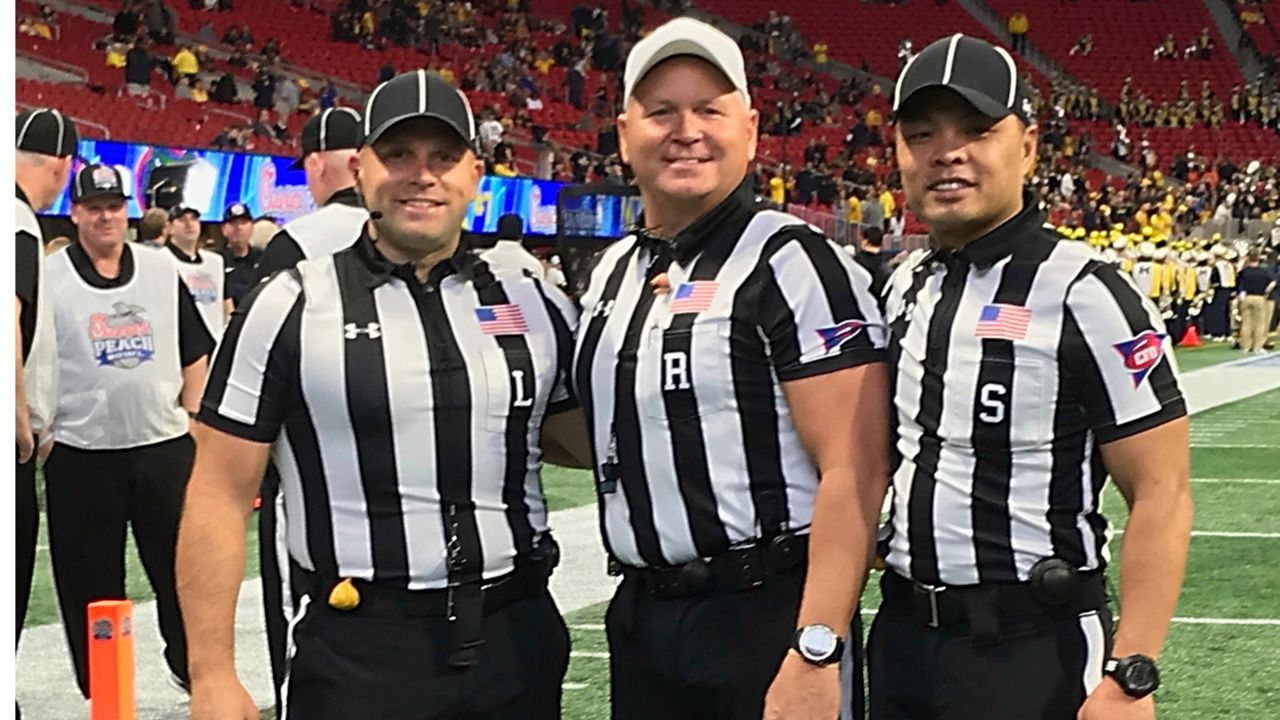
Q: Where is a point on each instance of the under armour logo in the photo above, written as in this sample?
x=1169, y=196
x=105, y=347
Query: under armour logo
x=351, y=331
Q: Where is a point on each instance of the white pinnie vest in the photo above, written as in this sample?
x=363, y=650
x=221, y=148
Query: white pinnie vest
x=119, y=363
x=40, y=373
x=205, y=279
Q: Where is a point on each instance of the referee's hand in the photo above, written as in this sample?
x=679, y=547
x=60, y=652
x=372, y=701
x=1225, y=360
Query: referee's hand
x=222, y=699
x=1109, y=702
x=802, y=691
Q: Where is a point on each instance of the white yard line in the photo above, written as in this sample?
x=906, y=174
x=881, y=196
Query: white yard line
x=1236, y=481
x=1226, y=621
x=589, y=654
x=1216, y=534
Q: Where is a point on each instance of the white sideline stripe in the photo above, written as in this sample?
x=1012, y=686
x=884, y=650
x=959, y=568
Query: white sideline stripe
x=589, y=654
x=1212, y=534
x=1227, y=621
x=1246, y=446
x=588, y=627
x=574, y=686
x=1240, y=481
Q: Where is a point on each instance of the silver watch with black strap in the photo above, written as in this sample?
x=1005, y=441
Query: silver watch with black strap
x=818, y=645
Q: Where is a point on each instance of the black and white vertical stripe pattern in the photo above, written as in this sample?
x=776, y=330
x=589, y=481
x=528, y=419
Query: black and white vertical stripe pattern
x=397, y=421
x=689, y=406
x=997, y=461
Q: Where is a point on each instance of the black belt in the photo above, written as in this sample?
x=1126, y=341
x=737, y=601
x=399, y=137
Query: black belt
x=463, y=605
x=736, y=570
x=985, y=608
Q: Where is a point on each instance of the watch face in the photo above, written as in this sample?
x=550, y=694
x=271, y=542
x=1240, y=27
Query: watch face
x=1141, y=677
x=818, y=642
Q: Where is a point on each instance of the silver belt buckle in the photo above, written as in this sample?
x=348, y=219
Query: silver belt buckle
x=932, y=591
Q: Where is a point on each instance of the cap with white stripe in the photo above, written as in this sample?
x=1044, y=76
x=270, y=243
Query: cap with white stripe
x=418, y=94
x=983, y=74
x=46, y=132
x=335, y=128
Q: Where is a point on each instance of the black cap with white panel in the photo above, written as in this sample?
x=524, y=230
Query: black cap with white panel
x=46, y=132
x=337, y=128
x=414, y=95
x=97, y=180
x=983, y=74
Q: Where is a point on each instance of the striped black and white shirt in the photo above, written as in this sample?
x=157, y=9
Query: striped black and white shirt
x=695, y=449
x=334, y=226
x=1014, y=360
x=405, y=415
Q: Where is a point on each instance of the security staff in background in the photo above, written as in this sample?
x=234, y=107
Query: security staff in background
x=132, y=355
x=729, y=361
x=329, y=142
x=1026, y=370
x=407, y=390
x=509, y=251
x=201, y=269
x=45, y=150
x=239, y=258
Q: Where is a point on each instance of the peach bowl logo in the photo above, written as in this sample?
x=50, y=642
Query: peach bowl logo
x=122, y=338
x=203, y=289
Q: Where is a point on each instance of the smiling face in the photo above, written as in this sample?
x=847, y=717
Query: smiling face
x=101, y=222
x=421, y=176
x=688, y=135
x=962, y=172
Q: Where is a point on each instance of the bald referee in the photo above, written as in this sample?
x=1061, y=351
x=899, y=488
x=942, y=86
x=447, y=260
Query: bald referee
x=1027, y=371
x=45, y=148
x=730, y=364
x=410, y=393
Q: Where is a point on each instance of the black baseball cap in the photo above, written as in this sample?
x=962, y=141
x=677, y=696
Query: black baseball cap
x=983, y=74
x=413, y=95
x=181, y=209
x=237, y=211
x=97, y=180
x=46, y=132
x=337, y=128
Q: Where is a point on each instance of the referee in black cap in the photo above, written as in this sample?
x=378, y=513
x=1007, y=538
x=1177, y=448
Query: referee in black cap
x=410, y=394
x=1026, y=371
x=329, y=143
x=45, y=148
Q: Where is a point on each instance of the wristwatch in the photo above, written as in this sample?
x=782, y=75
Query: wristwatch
x=1136, y=674
x=818, y=645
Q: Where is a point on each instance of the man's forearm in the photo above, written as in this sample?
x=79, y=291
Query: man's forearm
x=841, y=539
x=210, y=568
x=193, y=385
x=1152, y=563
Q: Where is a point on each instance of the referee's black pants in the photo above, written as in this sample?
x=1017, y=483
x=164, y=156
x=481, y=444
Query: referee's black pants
x=710, y=656
x=27, y=520
x=1039, y=669
x=394, y=664
x=92, y=497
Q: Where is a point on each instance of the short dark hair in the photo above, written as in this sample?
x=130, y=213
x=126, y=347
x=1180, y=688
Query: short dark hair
x=873, y=236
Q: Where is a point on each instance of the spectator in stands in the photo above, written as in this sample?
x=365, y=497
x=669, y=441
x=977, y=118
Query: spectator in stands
x=897, y=227
x=1083, y=46
x=1167, y=49
x=328, y=96
x=199, y=93
x=117, y=54
x=1018, y=26
x=225, y=90
x=184, y=63
x=124, y=27
x=263, y=128
x=607, y=138
x=264, y=89
x=161, y=23
x=504, y=162
x=137, y=70
x=1203, y=45
x=385, y=73
x=288, y=98
x=182, y=90
x=873, y=211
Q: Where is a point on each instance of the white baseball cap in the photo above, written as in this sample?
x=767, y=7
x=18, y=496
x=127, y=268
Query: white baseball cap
x=686, y=36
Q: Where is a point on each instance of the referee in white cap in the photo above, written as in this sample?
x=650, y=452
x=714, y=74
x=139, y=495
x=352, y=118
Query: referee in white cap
x=46, y=146
x=1026, y=371
x=730, y=363
x=407, y=393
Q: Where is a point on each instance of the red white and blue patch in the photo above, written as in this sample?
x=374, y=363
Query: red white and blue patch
x=835, y=336
x=1141, y=354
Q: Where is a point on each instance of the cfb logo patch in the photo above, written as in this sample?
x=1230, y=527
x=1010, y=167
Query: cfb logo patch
x=834, y=336
x=1141, y=354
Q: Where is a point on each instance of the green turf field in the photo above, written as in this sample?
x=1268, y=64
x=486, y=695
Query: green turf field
x=1208, y=354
